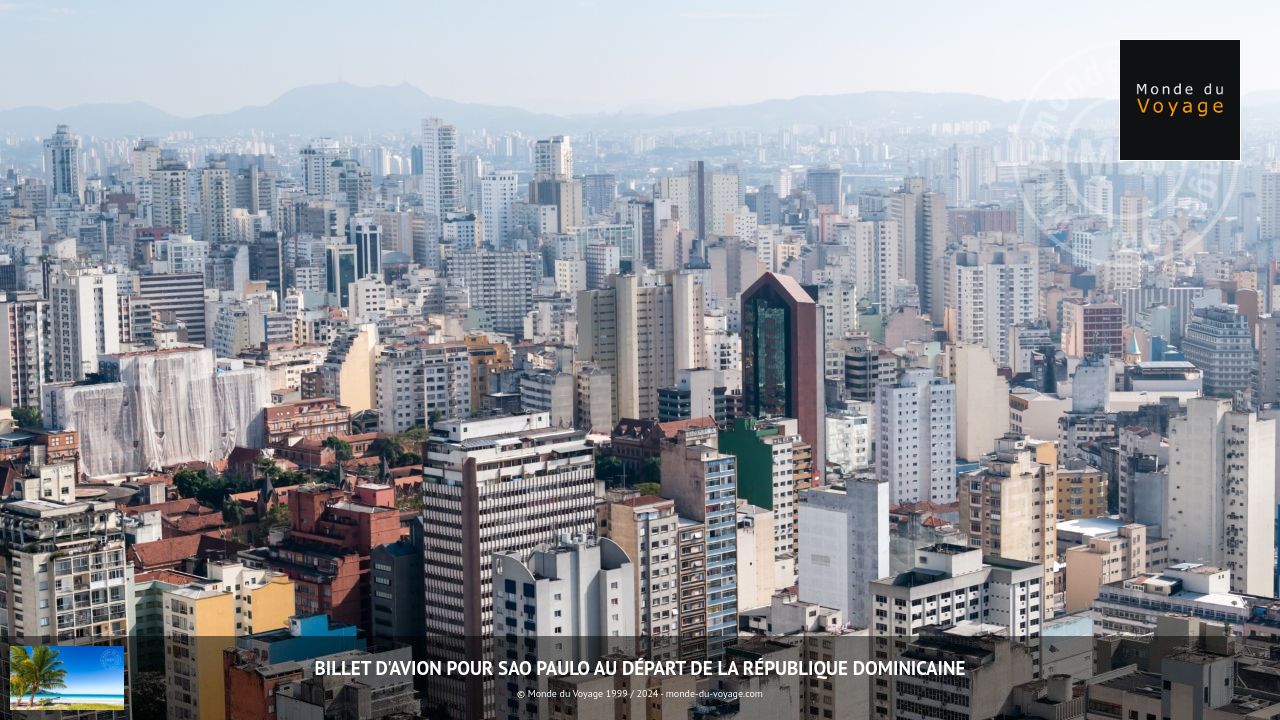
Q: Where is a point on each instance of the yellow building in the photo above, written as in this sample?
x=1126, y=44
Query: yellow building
x=1127, y=552
x=1082, y=493
x=489, y=359
x=202, y=618
x=1008, y=505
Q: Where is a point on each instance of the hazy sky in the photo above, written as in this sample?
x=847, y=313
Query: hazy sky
x=576, y=56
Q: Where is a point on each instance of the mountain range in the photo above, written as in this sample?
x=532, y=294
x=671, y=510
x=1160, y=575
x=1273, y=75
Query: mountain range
x=345, y=109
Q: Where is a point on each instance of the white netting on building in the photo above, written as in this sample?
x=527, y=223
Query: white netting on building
x=169, y=407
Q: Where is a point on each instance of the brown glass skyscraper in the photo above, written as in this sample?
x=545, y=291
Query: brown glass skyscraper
x=782, y=358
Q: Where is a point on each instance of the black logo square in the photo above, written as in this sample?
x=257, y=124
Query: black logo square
x=1179, y=99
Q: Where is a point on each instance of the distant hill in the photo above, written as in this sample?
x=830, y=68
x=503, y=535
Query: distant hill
x=330, y=109
x=342, y=109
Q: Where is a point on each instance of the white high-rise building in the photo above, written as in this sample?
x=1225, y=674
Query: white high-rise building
x=499, y=192
x=1220, y=507
x=170, y=203
x=23, y=349
x=48, y=537
x=317, y=159
x=553, y=158
x=1099, y=198
x=577, y=593
x=844, y=545
x=849, y=441
x=417, y=384
x=602, y=261
x=501, y=284
x=439, y=173
x=505, y=483
x=641, y=330
x=216, y=198
x=993, y=287
x=84, y=321
x=1269, y=207
x=916, y=452
x=62, y=159
x=950, y=585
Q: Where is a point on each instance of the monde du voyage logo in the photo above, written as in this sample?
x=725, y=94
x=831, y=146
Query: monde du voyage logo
x=1179, y=99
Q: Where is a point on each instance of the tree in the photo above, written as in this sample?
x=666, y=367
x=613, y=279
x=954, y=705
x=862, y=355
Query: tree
x=609, y=469
x=28, y=417
x=277, y=516
x=651, y=471
x=147, y=694
x=648, y=488
x=37, y=671
x=233, y=512
x=19, y=671
x=389, y=450
x=341, y=448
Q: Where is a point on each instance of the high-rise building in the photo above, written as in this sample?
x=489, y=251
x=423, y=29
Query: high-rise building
x=1082, y=491
x=62, y=162
x=1266, y=389
x=1008, y=506
x=782, y=357
x=1269, y=207
x=177, y=298
x=948, y=585
x=562, y=197
x=602, y=261
x=993, y=287
x=921, y=219
x=702, y=482
x=500, y=484
x=84, y=321
x=824, y=184
x=1221, y=506
x=599, y=191
x=217, y=197
x=499, y=283
x=440, y=192
x=166, y=407
x=366, y=236
x=499, y=193
x=849, y=441
x=772, y=463
x=1130, y=551
x=1218, y=340
x=202, y=616
x=63, y=564
x=1099, y=198
x=317, y=160
x=24, y=341
x=417, y=384
x=340, y=273
x=916, y=448
x=267, y=263
x=642, y=330
x=553, y=158
x=704, y=202
x=1092, y=328
x=844, y=545
x=646, y=527
x=1135, y=220
x=580, y=591
x=170, y=204
x=982, y=406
